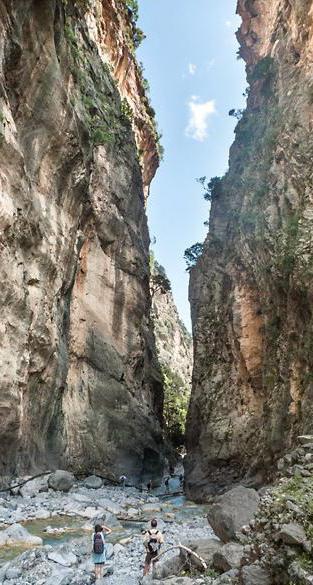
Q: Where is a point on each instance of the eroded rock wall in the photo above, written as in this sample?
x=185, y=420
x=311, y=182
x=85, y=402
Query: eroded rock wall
x=80, y=384
x=173, y=340
x=251, y=290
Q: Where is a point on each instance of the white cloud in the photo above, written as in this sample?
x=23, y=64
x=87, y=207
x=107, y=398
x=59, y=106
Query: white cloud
x=192, y=68
x=228, y=23
x=197, y=127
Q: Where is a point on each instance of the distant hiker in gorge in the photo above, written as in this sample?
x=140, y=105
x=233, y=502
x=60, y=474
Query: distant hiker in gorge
x=153, y=541
x=123, y=480
x=149, y=485
x=167, y=484
x=98, y=549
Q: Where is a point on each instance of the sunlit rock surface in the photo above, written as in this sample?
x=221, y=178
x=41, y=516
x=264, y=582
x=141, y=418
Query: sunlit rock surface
x=251, y=291
x=80, y=385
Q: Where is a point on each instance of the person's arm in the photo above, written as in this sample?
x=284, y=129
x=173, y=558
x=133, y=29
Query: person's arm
x=146, y=539
x=160, y=538
x=107, y=529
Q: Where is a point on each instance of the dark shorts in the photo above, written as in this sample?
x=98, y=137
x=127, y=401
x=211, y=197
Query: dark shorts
x=149, y=557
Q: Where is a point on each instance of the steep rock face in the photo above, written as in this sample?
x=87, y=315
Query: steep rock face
x=173, y=341
x=251, y=290
x=80, y=384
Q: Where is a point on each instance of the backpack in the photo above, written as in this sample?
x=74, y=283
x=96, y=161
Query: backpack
x=153, y=543
x=98, y=544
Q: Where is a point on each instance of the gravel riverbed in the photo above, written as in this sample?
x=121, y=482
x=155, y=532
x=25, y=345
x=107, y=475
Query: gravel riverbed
x=62, y=524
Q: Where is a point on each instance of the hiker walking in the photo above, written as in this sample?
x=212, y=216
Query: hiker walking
x=167, y=484
x=149, y=485
x=153, y=540
x=98, y=548
x=123, y=480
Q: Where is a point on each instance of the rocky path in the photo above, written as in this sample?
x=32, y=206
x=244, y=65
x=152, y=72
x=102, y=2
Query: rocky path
x=46, y=534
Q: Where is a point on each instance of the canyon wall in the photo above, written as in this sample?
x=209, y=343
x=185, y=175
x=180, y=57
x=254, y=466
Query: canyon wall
x=173, y=340
x=80, y=382
x=175, y=355
x=251, y=290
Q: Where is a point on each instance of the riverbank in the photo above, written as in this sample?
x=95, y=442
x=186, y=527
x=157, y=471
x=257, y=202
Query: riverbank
x=64, y=522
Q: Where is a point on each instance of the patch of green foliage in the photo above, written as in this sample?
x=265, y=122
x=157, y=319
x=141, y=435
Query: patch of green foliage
x=132, y=5
x=176, y=400
x=102, y=136
x=286, y=249
x=159, y=281
x=127, y=111
x=262, y=69
x=236, y=113
x=306, y=562
x=212, y=188
x=193, y=254
x=265, y=71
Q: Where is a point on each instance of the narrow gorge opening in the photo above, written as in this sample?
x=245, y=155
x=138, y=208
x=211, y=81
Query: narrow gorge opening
x=97, y=363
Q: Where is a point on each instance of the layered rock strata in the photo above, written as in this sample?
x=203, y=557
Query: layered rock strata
x=251, y=290
x=80, y=384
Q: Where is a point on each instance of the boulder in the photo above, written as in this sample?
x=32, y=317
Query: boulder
x=89, y=512
x=64, y=558
x=227, y=578
x=93, y=482
x=292, y=533
x=119, y=549
x=228, y=557
x=233, y=510
x=255, y=575
x=17, y=534
x=33, y=487
x=109, y=550
x=60, y=577
x=205, y=548
x=110, y=506
x=13, y=573
x=61, y=481
x=149, y=508
x=168, y=565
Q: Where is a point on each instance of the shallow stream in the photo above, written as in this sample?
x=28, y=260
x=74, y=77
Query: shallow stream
x=74, y=527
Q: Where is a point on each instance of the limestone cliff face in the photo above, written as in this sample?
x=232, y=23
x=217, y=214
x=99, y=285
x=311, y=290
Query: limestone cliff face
x=80, y=385
x=251, y=290
x=173, y=340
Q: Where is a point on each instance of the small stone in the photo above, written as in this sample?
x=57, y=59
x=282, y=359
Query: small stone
x=228, y=557
x=305, y=439
x=13, y=573
x=292, y=534
x=255, y=575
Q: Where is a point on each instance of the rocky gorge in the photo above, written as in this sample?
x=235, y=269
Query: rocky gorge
x=80, y=382
x=251, y=288
x=96, y=364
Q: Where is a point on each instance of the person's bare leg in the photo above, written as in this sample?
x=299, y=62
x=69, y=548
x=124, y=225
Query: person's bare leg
x=146, y=569
x=97, y=571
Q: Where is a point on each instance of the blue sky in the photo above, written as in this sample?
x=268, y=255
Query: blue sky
x=189, y=57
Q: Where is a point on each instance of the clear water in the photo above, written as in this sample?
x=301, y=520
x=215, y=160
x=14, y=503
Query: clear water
x=183, y=509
